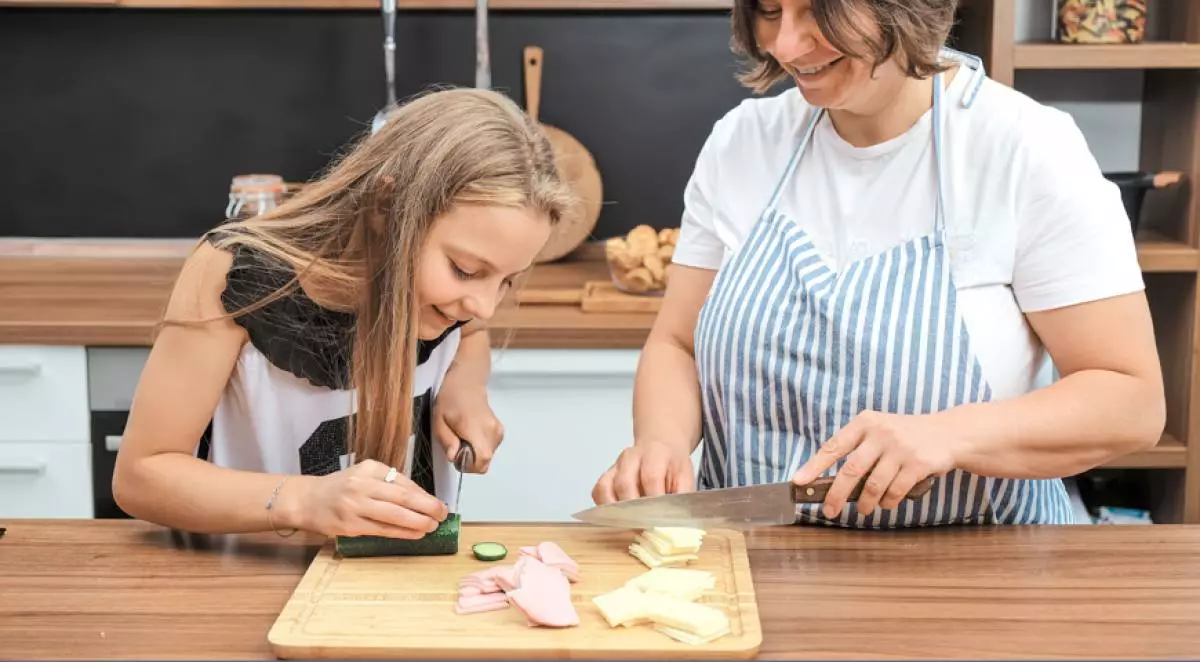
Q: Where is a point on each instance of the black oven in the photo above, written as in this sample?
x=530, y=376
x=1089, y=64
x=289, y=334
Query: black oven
x=113, y=373
x=107, y=428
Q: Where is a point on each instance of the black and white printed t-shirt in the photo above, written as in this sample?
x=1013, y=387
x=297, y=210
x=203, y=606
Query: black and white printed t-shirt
x=288, y=401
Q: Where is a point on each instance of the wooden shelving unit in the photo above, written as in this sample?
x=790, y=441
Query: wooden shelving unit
x=1169, y=244
x=1170, y=453
x=1160, y=55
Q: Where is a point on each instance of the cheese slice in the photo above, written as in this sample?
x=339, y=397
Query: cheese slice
x=681, y=583
x=680, y=538
x=660, y=545
x=699, y=620
x=669, y=541
x=624, y=606
x=651, y=559
x=665, y=599
x=689, y=638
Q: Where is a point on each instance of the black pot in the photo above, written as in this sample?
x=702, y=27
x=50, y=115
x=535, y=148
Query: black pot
x=1133, y=187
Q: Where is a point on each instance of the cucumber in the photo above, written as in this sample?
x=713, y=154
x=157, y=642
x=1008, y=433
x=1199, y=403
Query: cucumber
x=489, y=551
x=441, y=541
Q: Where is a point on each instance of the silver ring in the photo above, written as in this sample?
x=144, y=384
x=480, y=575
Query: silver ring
x=391, y=475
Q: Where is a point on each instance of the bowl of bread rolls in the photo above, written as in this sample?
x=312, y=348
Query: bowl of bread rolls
x=640, y=262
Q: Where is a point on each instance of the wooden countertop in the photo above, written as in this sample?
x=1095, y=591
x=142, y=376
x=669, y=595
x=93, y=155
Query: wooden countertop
x=111, y=292
x=122, y=589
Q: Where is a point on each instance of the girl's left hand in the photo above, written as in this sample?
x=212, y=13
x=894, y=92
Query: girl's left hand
x=462, y=412
x=892, y=452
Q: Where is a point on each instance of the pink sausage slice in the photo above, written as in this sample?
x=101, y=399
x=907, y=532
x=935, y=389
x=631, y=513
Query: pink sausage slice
x=472, y=601
x=553, y=555
x=544, y=595
x=480, y=608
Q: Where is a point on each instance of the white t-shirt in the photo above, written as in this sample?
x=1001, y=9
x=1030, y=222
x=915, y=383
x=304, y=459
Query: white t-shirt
x=1031, y=222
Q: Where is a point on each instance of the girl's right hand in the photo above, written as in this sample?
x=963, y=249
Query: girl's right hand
x=646, y=469
x=357, y=502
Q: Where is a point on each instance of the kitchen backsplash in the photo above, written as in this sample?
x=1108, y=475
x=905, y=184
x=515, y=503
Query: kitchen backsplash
x=131, y=123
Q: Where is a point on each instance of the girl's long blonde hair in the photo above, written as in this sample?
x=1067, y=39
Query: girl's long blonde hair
x=360, y=228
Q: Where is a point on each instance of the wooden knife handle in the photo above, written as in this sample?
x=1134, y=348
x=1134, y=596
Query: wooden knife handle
x=1167, y=178
x=815, y=491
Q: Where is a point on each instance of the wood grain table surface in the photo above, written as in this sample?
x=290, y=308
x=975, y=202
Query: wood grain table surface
x=104, y=589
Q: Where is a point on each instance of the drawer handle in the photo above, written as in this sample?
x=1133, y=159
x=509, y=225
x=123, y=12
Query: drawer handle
x=31, y=469
x=21, y=369
x=112, y=442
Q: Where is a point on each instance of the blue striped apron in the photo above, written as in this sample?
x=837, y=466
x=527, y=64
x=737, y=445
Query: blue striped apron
x=788, y=351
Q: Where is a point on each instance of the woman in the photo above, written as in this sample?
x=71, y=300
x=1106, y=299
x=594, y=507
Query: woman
x=312, y=340
x=870, y=270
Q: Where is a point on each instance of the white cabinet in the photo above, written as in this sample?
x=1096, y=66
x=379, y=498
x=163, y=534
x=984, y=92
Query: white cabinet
x=43, y=394
x=45, y=449
x=45, y=480
x=567, y=414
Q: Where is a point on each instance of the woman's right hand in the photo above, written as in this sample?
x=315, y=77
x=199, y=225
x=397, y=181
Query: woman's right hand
x=357, y=502
x=646, y=469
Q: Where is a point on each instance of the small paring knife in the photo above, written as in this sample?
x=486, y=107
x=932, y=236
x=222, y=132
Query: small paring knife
x=773, y=504
x=463, y=459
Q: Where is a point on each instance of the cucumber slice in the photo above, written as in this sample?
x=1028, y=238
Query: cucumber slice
x=489, y=551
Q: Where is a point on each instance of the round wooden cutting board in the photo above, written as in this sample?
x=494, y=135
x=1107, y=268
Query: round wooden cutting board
x=575, y=165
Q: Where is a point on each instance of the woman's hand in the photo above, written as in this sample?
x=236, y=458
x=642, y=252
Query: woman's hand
x=891, y=452
x=357, y=502
x=646, y=469
x=462, y=412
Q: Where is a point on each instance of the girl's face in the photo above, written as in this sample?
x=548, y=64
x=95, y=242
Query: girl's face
x=471, y=258
x=788, y=31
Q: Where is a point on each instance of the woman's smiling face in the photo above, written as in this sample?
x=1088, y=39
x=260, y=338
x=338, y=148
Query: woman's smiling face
x=788, y=31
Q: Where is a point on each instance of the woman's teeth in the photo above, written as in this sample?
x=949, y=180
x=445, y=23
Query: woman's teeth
x=812, y=70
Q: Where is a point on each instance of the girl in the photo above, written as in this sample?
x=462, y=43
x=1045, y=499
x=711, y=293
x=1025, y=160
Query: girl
x=310, y=355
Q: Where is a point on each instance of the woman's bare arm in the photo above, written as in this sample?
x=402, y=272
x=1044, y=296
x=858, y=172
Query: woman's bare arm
x=1109, y=401
x=666, y=396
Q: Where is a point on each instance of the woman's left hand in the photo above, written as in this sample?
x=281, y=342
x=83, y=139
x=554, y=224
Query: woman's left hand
x=891, y=452
x=462, y=412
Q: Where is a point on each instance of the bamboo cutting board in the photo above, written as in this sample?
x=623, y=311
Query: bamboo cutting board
x=603, y=297
x=404, y=606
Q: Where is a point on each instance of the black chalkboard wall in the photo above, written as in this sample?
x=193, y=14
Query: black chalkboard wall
x=126, y=123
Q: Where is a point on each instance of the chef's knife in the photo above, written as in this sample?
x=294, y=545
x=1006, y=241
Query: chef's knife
x=772, y=504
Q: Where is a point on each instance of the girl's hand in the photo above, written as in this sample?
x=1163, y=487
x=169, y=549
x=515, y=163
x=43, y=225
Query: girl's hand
x=357, y=502
x=646, y=469
x=892, y=452
x=462, y=412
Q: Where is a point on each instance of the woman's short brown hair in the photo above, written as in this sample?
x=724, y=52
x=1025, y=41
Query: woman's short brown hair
x=914, y=29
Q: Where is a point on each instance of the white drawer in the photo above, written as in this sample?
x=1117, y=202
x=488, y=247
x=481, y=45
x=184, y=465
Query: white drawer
x=43, y=394
x=40, y=480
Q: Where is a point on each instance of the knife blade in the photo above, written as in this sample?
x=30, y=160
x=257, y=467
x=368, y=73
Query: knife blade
x=772, y=504
x=463, y=459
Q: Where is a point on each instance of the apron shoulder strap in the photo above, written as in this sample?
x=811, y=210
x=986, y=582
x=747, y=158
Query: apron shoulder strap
x=814, y=119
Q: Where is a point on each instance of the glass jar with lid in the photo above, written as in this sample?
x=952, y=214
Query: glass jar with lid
x=251, y=195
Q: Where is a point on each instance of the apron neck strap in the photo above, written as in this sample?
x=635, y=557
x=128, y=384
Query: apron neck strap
x=791, y=166
x=939, y=221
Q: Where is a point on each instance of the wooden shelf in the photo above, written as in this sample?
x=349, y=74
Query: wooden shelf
x=579, y=5
x=1159, y=254
x=1169, y=140
x=1150, y=55
x=1170, y=453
